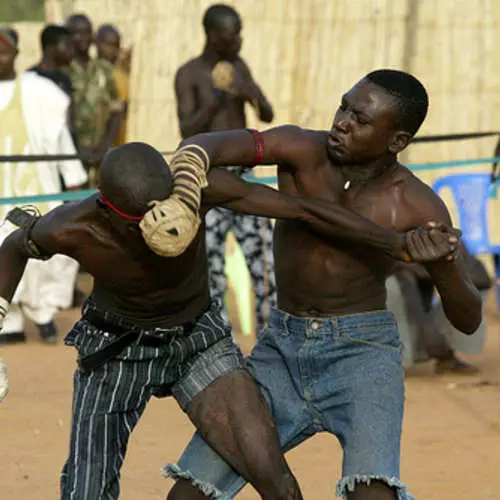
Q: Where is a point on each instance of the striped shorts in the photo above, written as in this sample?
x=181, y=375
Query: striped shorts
x=108, y=401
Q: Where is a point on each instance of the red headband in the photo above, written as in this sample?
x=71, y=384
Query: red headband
x=117, y=210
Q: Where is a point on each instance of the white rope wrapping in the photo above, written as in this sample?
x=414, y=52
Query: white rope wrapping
x=172, y=224
x=189, y=170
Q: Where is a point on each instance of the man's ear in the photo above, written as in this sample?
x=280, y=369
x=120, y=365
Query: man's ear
x=399, y=141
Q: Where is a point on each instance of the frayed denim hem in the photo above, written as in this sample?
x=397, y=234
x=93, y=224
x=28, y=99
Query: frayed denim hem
x=209, y=490
x=347, y=484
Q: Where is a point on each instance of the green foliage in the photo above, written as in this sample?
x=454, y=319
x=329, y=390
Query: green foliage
x=21, y=10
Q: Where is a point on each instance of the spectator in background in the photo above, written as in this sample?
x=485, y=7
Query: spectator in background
x=108, y=43
x=97, y=108
x=211, y=92
x=33, y=120
x=57, y=52
x=424, y=329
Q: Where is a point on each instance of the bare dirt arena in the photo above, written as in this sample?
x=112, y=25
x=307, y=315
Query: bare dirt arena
x=451, y=442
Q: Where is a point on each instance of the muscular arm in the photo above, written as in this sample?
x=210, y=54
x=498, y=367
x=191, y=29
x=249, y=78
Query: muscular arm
x=255, y=95
x=460, y=298
x=47, y=234
x=283, y=144
x=193, y=117
x=329, y=219
x=13, y=261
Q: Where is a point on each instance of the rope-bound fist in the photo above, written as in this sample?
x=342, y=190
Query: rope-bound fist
x=433, y=242
x=223, y=75
x=170, y=226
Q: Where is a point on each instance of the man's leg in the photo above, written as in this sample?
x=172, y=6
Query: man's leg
x=232, y=416
x=218, y=222
x=367, y=414
x=255, y=237
x=107, y=403
x=241, y=430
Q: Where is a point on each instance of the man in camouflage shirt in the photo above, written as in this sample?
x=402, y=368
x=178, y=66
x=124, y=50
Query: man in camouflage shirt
x=97, y=108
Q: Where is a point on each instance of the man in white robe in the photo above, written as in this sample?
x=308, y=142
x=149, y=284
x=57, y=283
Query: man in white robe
x=33, y=120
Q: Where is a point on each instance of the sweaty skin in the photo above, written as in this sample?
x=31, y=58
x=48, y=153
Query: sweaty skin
x=319, y=277
x=132, y=281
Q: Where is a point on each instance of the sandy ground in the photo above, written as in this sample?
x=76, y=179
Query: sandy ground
x=451, y=444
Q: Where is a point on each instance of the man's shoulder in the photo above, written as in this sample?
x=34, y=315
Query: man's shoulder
x=407, y=180
x=57, y=76
x=419, y=196
x=57, y=230
x=190, y=67
x=42, y=86
x=313, y=140
x=305, y=134
x=305, y=147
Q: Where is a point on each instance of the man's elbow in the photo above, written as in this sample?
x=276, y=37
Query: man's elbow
x=267, y=116
x=185, y=132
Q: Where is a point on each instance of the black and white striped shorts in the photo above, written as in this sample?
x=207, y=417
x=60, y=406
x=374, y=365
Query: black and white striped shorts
x=182, y=366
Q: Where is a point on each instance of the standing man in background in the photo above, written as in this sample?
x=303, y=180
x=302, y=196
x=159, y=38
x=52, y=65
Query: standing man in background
x=97, y=106
x=33, y=120
x=211, y=91
x=57, y=52
x=108, y=43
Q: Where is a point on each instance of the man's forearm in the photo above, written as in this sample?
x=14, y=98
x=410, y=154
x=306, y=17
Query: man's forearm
x=12, y=264
x=265, y=109
x=197, y=122
x=460, y=298
x=335, y=221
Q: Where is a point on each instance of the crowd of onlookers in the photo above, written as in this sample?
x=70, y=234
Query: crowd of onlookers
x=67, y=103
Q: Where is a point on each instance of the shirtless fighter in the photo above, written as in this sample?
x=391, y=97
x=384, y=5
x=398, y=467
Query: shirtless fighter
x=330, y=358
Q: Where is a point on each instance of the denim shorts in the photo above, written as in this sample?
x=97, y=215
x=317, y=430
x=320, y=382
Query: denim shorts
x=342, y=375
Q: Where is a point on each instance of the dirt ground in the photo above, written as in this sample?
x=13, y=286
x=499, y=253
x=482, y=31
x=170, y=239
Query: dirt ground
x=451, y=443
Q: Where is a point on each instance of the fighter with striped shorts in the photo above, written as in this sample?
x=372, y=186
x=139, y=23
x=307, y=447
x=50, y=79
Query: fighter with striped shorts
x=149, y=327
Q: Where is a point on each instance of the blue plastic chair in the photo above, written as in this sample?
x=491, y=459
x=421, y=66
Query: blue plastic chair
x=471, y=193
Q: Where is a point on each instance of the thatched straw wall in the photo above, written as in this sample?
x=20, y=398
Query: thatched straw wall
x=29, y=44
x=305, y=53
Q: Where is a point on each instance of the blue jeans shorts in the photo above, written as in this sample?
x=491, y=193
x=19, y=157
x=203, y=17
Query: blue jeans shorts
x=341, y=375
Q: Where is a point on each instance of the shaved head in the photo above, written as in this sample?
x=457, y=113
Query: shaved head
x=133, y=175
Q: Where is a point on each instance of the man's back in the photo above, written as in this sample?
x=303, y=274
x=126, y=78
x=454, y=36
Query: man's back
x=129, y=279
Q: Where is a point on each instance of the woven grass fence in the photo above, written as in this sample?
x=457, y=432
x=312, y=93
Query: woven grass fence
x=29, y=44
x=306, y=53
